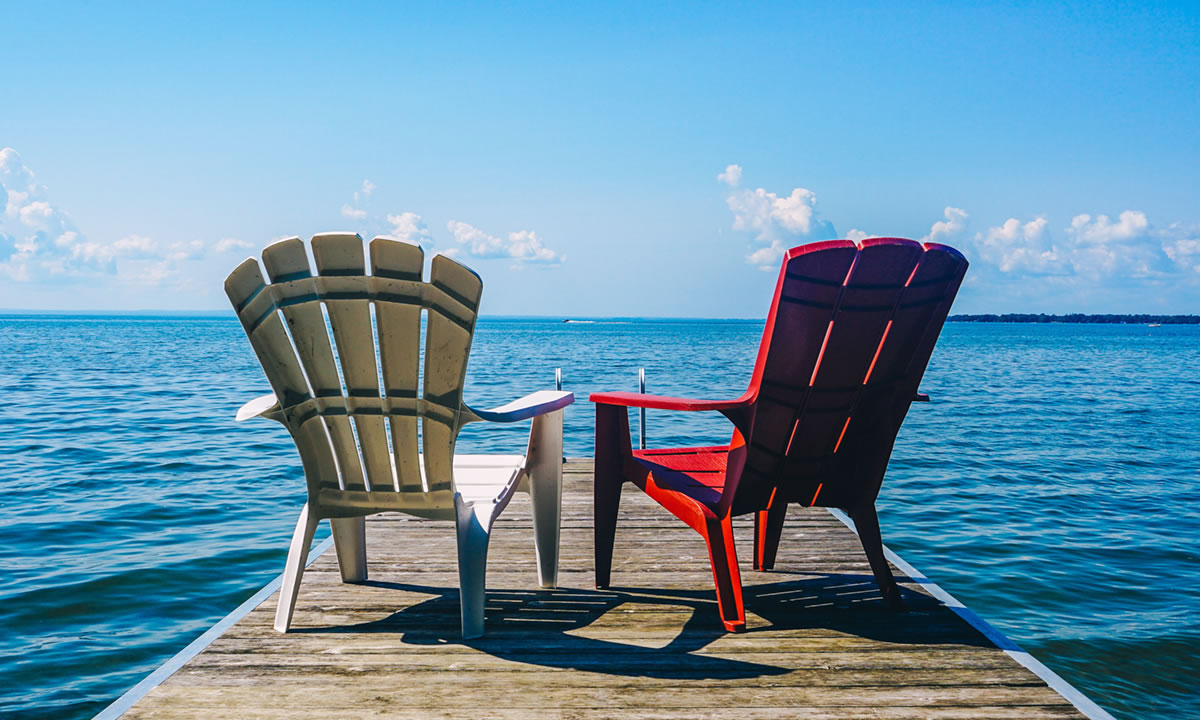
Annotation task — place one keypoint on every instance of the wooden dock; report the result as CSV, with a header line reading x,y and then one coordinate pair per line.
x,y
819,644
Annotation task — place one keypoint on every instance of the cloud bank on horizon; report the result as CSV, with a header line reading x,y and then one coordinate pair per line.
x,y
40,243
1091,253
1034,259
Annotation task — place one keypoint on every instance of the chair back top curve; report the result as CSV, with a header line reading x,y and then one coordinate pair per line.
x,y
341,348
849,334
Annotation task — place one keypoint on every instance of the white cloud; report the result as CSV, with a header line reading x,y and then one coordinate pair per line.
x,y
408,226
353,213
16,182
1103,231
732,175
1094,259
1182,245
136,245
1128,246
225,245
93,253
38,239
39,242
944,230
523,245
1013,246
67,239
479,243
158,273
1093,250
766,257
13,201
778,222
37,215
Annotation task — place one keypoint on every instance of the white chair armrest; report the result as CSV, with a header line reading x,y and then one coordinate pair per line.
x,y
265,406
532,405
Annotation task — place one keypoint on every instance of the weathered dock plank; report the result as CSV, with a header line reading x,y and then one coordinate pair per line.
x,y
819,644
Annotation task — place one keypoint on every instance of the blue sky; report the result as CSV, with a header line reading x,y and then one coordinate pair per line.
x,y
618,160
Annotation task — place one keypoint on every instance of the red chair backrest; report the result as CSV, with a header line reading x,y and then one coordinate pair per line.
x,y
847,340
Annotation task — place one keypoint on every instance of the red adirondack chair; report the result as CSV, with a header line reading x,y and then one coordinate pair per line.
x,y
849,334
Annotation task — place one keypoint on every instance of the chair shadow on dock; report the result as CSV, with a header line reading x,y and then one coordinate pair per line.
x,y
660,633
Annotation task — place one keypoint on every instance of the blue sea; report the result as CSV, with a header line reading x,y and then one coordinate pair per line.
x,y
1053,485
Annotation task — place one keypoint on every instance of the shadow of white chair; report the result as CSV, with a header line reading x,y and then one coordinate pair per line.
x,y
357,431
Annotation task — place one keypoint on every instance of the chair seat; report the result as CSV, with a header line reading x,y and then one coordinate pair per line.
x,y
478,478
697,472
486,478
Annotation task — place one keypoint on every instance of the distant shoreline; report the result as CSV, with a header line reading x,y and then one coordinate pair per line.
x,y
1079,318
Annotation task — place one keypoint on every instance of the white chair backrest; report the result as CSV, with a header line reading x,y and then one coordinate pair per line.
x,y
342,422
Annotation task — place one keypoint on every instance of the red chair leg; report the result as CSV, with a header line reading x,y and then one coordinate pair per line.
x,y
612,447
721,552
866,521
768,526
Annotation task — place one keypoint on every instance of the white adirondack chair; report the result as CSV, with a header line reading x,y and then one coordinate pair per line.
x,y
341,424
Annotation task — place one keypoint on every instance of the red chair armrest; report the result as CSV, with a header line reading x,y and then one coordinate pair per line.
x,y
658,402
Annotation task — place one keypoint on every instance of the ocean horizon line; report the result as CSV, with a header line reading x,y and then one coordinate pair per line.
x,y
1022,318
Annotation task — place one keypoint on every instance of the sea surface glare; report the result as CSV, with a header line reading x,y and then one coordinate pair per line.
x,y
1053,485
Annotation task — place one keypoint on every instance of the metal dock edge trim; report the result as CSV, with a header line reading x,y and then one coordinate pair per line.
x,y
1082,702
167,669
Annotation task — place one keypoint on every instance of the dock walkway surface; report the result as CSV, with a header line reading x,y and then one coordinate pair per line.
x,y
819,642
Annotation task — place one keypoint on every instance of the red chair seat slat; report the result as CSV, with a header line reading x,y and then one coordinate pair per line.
x,y
698,473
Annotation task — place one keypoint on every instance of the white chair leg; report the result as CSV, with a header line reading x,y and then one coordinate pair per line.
x,y
543,465
350,542
473,533
293,571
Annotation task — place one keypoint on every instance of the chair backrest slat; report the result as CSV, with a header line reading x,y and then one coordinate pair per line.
x,y
341,420
806,299
455,292
298,296
868,301
397,269
254,302
342,270
840,361
922,313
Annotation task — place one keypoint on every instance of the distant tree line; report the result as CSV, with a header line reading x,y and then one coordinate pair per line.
x,y
1080,318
